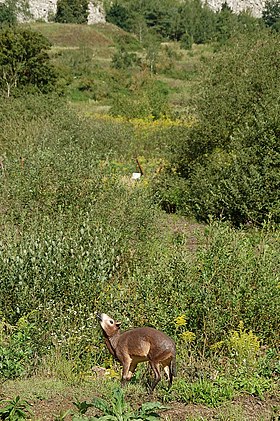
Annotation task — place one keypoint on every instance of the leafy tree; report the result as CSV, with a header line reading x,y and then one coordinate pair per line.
x,y
248,23
186,41
231,157
123,59
24,61
152,45
198,20
118,15
227,23
271,14
160,16
206,27
138,25
72,11
172,19
7,13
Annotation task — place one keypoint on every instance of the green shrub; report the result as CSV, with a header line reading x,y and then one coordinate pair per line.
x,y
72,11
7,13
204,392
170,193
119,409
271,14
186,42
17,348
123,59
16,409
24,61
231,156
147,100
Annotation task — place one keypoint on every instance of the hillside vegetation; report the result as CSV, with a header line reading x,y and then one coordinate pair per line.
x,y
192,248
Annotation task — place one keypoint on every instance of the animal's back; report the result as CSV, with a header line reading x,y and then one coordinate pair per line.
x,y
144,341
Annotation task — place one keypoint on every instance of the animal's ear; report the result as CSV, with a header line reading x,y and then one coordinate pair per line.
x,y
118,324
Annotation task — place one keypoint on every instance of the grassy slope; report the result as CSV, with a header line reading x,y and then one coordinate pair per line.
x,y
99,36
101,40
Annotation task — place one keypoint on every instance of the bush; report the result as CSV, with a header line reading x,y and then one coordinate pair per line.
x,y
186,42
72,11
24,61
231,156
147,99
17,347
8,13
123,59
271,14
170,193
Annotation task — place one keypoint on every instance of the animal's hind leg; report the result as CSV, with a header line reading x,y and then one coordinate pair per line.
x,y
156,370
167,367
167,372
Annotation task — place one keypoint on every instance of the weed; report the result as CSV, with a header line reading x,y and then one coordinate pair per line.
x,y
254,385
82,406
16,347
15,409
244,347
62,415
204,391
119,410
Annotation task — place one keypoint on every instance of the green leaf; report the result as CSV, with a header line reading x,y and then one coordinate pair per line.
x,y
102,405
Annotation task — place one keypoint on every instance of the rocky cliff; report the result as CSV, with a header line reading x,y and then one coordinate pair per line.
x,y
46,9
254,6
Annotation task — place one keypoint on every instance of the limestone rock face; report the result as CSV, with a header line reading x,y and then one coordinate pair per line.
x,y
96,13
254,6
45,10
39,10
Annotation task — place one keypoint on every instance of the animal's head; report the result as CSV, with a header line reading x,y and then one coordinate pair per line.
x,y
109,325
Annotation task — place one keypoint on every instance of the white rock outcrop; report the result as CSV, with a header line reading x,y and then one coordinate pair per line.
x,y
96,13
255,7
45,10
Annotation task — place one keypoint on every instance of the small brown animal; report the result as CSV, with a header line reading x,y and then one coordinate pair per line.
x,y
140,344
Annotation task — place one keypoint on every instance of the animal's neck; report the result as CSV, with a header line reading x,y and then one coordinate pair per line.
x,y
111,343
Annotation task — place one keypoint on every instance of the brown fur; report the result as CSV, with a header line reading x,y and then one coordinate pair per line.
x,y
138,345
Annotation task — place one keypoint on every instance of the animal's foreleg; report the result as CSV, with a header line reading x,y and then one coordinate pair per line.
x,y
128,370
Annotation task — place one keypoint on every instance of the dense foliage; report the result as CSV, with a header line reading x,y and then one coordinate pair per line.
x,y
271,14
78,235
174,19
7,13
24,61
72,11
231,157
